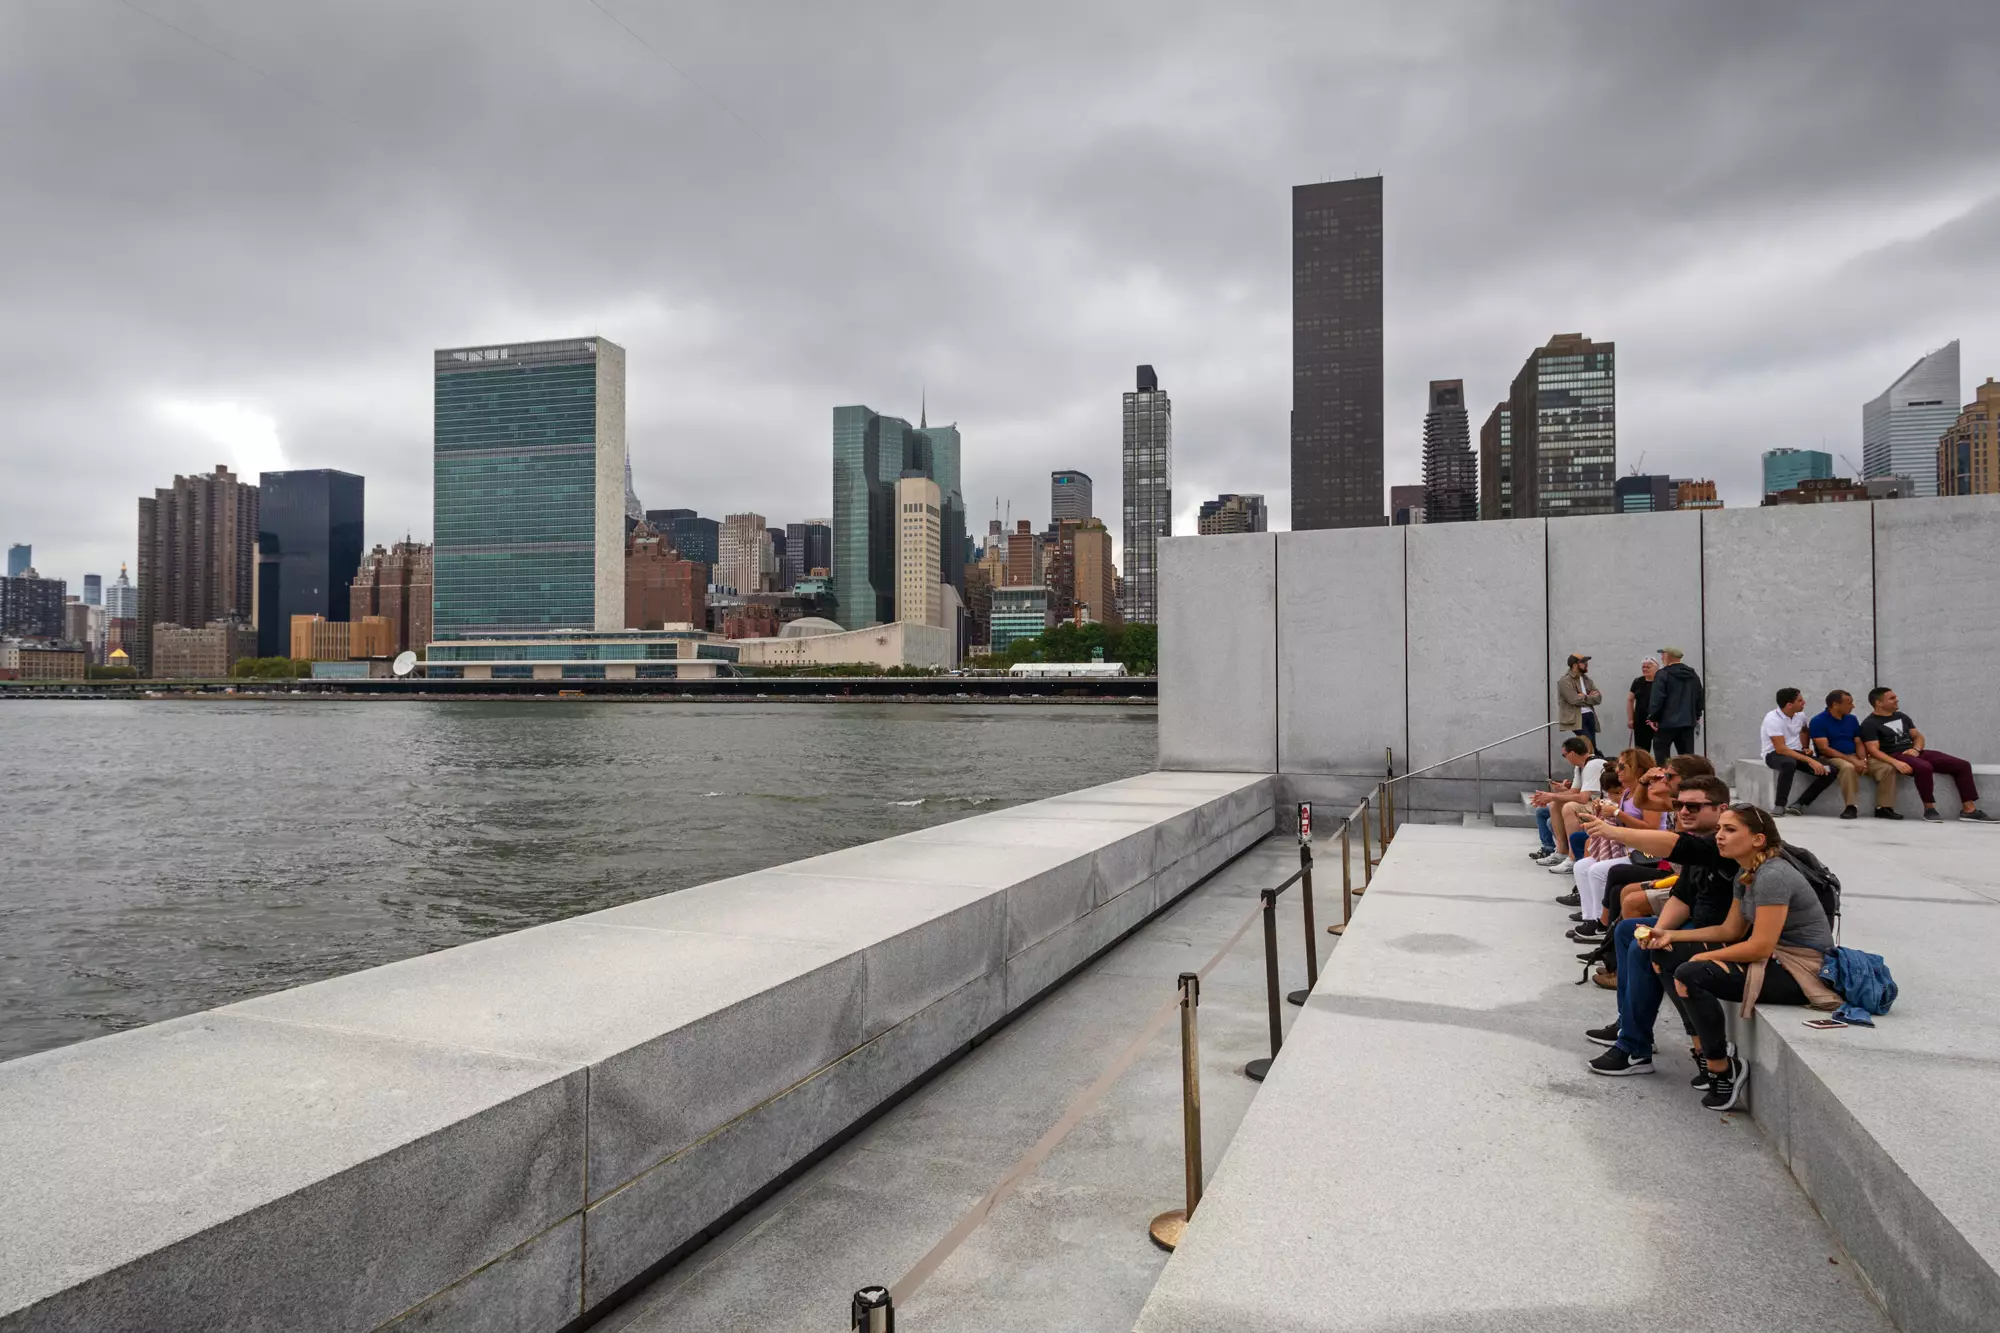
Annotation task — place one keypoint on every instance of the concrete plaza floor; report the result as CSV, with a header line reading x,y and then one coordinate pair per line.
x,y
1068,1248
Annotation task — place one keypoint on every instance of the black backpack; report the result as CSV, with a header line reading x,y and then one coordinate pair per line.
x,y
1824,882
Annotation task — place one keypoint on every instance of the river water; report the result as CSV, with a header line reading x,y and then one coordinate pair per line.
x,y
162,857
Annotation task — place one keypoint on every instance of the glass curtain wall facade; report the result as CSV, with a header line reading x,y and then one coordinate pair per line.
x,y
1496,463
308,550
936,452
1564,430
1451,473
1337,354
1901,427
529,499
1149,494
871,452
1784,469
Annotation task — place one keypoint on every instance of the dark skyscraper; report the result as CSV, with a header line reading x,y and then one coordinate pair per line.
x,y
308,550
1563,415
1149,493
808,546
1337,354
1496,463
692,536
93,590
1451,473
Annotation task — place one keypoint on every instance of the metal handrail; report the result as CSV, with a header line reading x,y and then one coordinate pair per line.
x,y
1417,772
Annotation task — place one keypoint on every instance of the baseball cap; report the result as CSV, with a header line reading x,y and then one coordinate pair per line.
x,y
1672,652
1575,658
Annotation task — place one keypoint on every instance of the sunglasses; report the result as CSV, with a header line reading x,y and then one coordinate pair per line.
x,y
1693,807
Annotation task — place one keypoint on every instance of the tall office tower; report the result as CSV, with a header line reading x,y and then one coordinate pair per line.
x,y
1644,493
32,607
1094,579
20,559
1563,414
529,497
936,452
1968,454
1069,496
919,530
1337,354
1026,558
739,562
197,556
1149,493
871,452
781,577
1784,469
1228,513
308,550
121,599
1406,506
692,536
1451,472
808,546
93,590
1496,463
1900,429
395,583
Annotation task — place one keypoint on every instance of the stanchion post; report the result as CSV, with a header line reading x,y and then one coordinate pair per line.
x,y
1346,882
1367,857
1168,1228
1388,796
873,1311
1312,929
1257,1069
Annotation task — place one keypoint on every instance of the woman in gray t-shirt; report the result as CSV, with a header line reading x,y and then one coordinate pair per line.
x,y
1774,908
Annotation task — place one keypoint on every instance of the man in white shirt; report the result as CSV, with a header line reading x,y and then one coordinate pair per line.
x,y
1563,836
1785,750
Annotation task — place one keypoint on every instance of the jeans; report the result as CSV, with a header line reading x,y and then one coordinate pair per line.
x,y
1639,989
1709,984
1545,828
1788,768
1925,767
1668,739
1588,731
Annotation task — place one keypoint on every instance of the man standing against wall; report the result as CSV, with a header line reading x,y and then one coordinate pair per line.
x,y
1638,699
1577,697
1676,706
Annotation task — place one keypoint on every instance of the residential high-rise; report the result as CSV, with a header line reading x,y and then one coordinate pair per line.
x,y
1149,492
1026,557
529,496
871,452
808,546
197,558
1900,428
1069,496
31,607
1564,430
20,559
1968,454
739,563
1406,506
1336,354
308,549
1496,463
93,590
395,583
1784,469
1451,472
919,531
1228,513
1093,577
1644,493
662,587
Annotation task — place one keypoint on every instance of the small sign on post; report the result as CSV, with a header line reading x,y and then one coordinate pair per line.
x,y
1305,821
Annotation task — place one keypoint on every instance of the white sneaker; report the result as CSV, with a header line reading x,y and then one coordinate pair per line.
x,y
1549,858
1562,867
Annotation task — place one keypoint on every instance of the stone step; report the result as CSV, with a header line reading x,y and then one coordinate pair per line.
x,y
1512,814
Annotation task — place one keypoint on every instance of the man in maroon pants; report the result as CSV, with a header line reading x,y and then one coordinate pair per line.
x,y
1891,736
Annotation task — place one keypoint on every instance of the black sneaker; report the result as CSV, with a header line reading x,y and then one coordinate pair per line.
x,y
1614,1063
1725,1091
1587,931
1701,1075
1576,916
1886,812
1569,899
1606,1035
1850,813
1540,852
1978,817
1931,815
1795,809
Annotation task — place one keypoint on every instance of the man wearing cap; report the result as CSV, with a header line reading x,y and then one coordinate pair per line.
x,y
1577,697
1676,706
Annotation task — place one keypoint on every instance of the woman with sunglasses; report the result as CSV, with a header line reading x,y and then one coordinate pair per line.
x,y
1645,804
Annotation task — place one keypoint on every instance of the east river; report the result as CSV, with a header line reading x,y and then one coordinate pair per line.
x,y
163,857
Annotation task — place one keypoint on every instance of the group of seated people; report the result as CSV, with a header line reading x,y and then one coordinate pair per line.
x,y
1685,896
1837,746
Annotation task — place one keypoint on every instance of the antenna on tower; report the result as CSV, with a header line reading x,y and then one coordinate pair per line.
x,y
923,408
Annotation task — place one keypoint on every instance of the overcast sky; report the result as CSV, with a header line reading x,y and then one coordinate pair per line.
x,y
240,241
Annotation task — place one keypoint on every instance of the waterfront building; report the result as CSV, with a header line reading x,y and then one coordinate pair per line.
x,y
682,652
31,607
20,559
1406,505
694,537
1644,493
1026,557
661,587
1496,463
529,494
1696,494
871,452
741,559
1069,496
1018,613
1451,472
1093,576
43,661
1148,454
816,641
919,523
1563,431
1228,513
808,547
395,583
93,590
317,639
1968,454
207,653
197,557
1901,426
308,549
1336,354
1784,469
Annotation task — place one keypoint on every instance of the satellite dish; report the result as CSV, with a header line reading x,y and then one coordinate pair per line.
x,y
404,664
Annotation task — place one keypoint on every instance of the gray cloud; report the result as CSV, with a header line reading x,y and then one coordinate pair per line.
x,y
1772,208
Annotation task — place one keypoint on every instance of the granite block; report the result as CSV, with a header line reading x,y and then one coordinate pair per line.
x,y
537,1288
1342,687
1937,618
1218,653
221,1172
1818,636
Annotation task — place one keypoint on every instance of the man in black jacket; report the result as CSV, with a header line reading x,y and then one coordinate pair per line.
x,y
1676,706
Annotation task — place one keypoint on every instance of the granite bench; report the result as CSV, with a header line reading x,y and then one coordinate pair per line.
x,y
1757,783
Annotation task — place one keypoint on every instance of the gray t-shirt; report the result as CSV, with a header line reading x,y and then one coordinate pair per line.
x,y
1777,882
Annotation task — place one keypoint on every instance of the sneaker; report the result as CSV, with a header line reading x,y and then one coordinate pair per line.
x,y
1604,1036
1701,1075
1931,815
1586,931
1795,809
1614,1063
1725,1091
1562,867
1548,858
1576,916
1780,811
1569,899
1886,812
1978,817
1850,813
1541,852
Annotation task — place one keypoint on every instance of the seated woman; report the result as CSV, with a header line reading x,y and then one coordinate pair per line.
x,y
1640,807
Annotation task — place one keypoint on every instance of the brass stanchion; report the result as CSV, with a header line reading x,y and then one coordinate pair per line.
x,y
1388,796
1257,1069
1168,1228
1346,882
873,1311
1367,857
1312,945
